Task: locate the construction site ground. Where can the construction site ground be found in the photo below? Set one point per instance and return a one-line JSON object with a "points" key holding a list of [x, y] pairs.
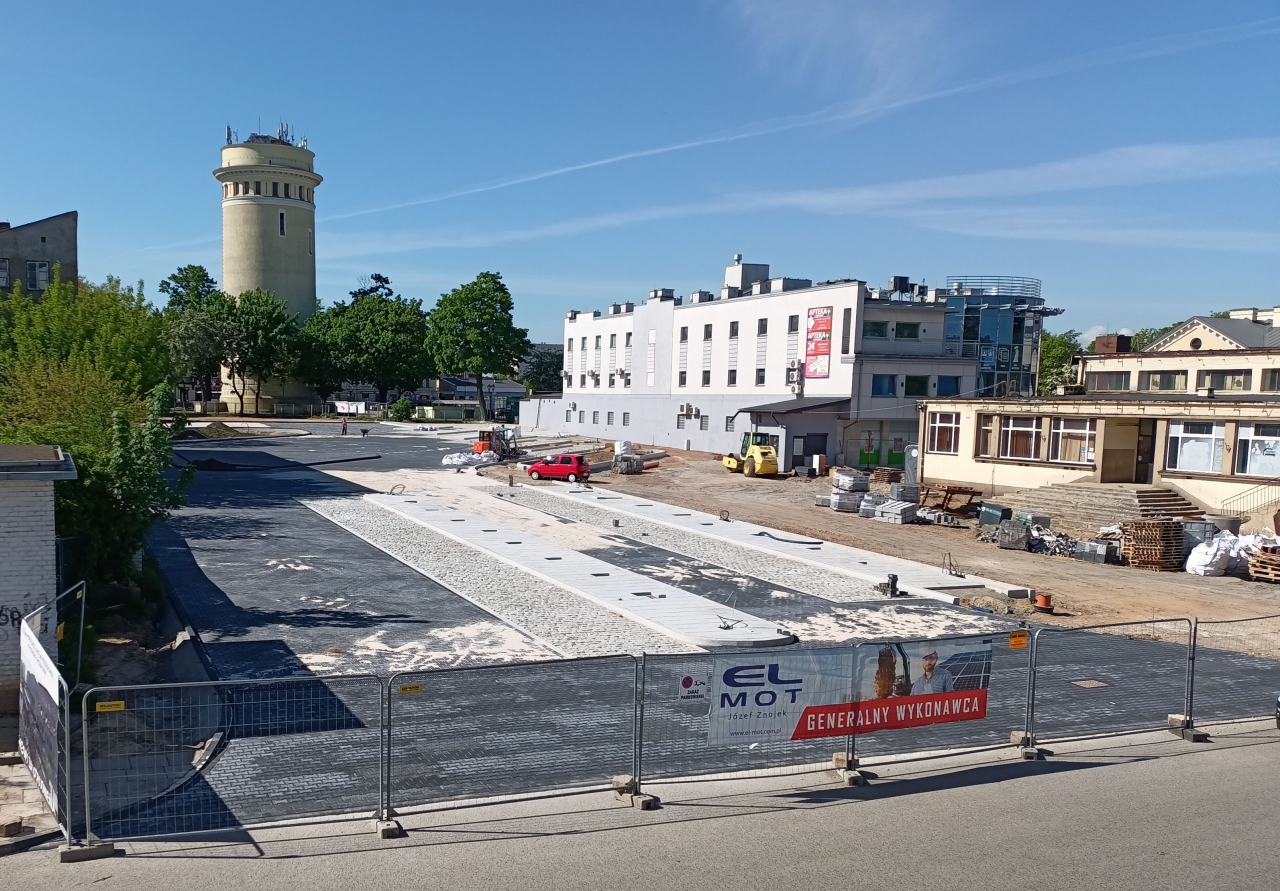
{"points": [[1083, 593]]}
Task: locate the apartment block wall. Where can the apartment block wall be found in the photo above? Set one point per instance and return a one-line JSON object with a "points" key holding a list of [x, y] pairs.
{"points": [[28, 544]]}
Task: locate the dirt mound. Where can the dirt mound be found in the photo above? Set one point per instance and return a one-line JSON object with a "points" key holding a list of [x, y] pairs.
{"points": [[215, 430]]}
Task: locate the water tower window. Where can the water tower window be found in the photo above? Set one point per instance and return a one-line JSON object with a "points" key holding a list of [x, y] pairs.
{"points": [[257, 187], [282, 223], [311, 241], [286, 190], [275, 190]]}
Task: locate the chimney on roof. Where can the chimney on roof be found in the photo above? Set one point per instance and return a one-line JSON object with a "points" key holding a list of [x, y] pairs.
{"points": [[4, 226], [1112, 343]]}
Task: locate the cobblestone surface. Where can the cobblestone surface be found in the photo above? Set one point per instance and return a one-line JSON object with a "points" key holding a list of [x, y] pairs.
{"points": [[570, 624], [811, 580]]}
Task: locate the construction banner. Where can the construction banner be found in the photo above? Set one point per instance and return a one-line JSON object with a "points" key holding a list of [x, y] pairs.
{"points": [[818, 693], [817, 343]]}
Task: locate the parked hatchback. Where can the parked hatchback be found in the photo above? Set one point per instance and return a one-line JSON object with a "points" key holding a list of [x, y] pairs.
{"points": [[560, 467]]}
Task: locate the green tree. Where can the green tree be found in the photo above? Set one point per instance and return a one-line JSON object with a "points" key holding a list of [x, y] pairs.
{"points": [[1056, 352], [318, 354], [472, 332], [540, 371], [401, 410], [200, 336], [190, 284], [268, 335], [379, 338], [111, 326]]}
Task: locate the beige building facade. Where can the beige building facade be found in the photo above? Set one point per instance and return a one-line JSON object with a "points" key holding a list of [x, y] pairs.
{"points": [[268, 239]]}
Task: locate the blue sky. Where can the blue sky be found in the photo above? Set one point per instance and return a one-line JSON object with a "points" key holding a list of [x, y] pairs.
{"points": [[1126, 154]]}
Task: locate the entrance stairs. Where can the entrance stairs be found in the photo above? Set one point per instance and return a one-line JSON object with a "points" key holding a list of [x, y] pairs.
{"points": [[1085, 507]]}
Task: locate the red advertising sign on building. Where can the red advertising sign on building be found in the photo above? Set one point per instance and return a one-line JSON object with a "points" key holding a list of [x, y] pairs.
{"points": [[817, 343]]}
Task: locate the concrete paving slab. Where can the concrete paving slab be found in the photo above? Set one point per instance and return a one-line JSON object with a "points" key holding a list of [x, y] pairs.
{"points": [[676, 612], [918, 579]]}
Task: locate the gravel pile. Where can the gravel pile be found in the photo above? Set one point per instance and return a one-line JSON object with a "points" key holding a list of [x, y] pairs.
{"points": [[823, 583], [571, 624]]}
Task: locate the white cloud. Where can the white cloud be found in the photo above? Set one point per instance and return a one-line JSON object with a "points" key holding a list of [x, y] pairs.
{"points": [[945, 203], [1090, 334]]}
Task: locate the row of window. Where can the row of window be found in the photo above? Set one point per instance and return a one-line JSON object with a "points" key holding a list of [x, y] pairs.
{"points": [[613, 342], [1230, 380], [595, 377], [37, 274], [887, 385], [278, 190], [903, 330], [595, 418]]}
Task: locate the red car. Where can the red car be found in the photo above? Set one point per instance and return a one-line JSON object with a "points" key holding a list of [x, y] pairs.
{"points": [[560, 467]]}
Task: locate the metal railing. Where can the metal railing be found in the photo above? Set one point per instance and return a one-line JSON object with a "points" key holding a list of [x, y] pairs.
{"points": [[167, 759], [1250, 500]]}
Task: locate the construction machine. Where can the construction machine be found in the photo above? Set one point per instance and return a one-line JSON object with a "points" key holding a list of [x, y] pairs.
{"points": [[499, 440], [756, 456]]}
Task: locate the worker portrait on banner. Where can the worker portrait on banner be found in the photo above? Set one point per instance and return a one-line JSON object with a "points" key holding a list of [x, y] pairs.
{"points": [[816, 693]]}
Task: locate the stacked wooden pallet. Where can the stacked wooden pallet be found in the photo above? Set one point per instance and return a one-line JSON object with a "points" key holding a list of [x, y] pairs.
{"points": [[1152, 544], [1264, 566], [886, 475]]}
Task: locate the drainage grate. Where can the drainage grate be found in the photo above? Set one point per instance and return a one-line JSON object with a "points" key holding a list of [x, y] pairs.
{"points": [[1090, 684]]}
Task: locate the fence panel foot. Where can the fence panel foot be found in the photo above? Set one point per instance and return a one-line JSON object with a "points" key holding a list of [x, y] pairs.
{"points": [[82, 853], [388, 829]]}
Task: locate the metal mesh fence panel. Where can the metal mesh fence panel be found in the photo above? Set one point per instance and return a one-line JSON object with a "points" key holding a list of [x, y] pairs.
{"points": [[509, 729], [177, 758], [1237, 669], [1110, 678], [676, 730], [1006, 679]]}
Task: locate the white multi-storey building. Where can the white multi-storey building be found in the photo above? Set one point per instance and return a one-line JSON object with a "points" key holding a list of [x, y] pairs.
{"points": [[835, 368]]}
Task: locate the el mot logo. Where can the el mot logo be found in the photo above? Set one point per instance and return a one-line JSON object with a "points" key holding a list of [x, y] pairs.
{"points": [[764, 676]]}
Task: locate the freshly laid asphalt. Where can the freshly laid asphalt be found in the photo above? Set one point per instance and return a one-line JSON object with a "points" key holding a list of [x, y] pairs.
{"points": [[270, 587]]}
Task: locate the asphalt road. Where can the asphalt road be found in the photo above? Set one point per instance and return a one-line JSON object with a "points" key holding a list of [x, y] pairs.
{"points": [[1165, 815]]}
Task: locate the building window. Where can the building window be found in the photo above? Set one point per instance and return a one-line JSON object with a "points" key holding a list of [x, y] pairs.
{"points": [[257, 187], [875, 329], [759, 377], [733, 377], [595, 380], [1106, 380], [582, 380], [611, 377], [4, 272], [1225, 380], [595, 417], [584, 343], [906, 331], [845, 330], [1258, 451], [1195, 446], [582, 417], [311, 242], [948, 385], [885, 385], [704, 422], [706, 332], [793, 324], [626, 419], [762, 327], [728, 423], [37, 275], [684, 376], [282, 224], [626, 379], [733, 330], [628, 339], [597, 341], [568, 416], [1162, 381], [275, 190], [1071, 440], [706, 377], [679, 422], [613, 341], [1196, 343], [917, 385], [608, 419], [571, 344], [684, 334], [1019, 437], [944, 432], [985, 447]]}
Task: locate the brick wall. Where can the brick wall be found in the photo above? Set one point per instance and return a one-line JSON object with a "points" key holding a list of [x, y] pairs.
{"points": [[28, 570]]}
